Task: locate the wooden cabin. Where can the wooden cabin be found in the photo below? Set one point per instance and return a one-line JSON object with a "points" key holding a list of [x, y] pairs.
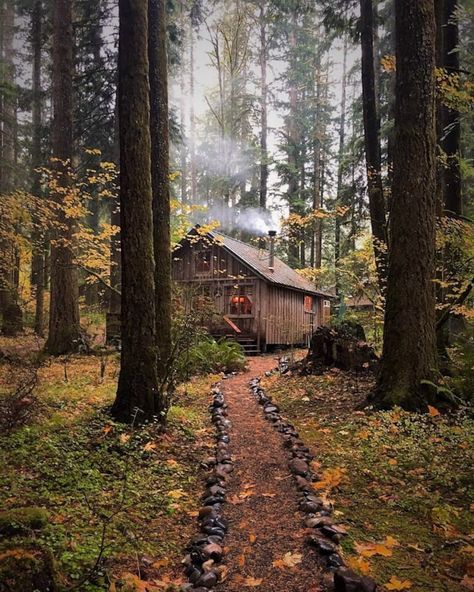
{"points": [[259, 300]]}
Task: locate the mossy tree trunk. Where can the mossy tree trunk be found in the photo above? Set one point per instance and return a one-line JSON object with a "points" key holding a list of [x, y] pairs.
{"points": [[64, 329], [409, 349], [157, 55], [137, 385]]}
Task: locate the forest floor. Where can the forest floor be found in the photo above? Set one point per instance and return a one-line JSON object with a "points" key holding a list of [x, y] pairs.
{"points": [[399, 482]]}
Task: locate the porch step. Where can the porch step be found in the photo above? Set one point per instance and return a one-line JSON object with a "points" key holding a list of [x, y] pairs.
{"points": [[248, 343]]}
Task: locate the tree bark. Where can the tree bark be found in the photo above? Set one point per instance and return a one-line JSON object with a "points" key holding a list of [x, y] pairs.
{"points": [[409, 349], [136, 398], [64, 329], [372, 139], [450, 118], [37, 260], [342, 137], [157, 55], [263, 109], [192, 122]]}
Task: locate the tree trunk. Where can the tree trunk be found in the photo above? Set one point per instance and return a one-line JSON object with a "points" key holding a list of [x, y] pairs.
{"points": [[192, 122], [38, 239], [157, 54], [64, 329], [451, 123], [342, 137], [372, 138], [115, 260], [8, 251], [315, 257], [136, 398], [409, 349], [264, 108], [293, 185]]}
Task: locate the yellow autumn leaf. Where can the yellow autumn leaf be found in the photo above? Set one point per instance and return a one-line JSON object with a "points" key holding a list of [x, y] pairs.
{"points": [[124, 438], [359, 564], [252, 538], [397, 584], [176, 493], [330, 478]]}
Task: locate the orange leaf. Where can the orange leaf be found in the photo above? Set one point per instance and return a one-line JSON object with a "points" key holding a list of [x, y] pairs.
{"points": [[252, 582], [252, 538], [149, 446], [433, 411], [359, 564], [397, 584]]}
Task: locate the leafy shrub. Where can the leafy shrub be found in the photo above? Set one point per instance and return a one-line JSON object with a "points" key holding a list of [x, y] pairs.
{"points": [[209, 355]]}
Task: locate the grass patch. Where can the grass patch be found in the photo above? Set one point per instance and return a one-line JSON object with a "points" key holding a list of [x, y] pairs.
{"points": [[136, 487], [402, 475]]}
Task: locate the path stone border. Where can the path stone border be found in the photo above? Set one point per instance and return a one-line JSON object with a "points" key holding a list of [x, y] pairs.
{"points": [[202, 564], [326, 534]]}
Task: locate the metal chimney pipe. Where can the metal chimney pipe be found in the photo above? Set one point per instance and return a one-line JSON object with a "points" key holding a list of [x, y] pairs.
{"points": [[271, 259]]}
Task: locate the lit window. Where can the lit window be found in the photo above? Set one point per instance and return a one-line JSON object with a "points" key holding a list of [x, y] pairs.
{"points": [[308, 303], [327, 303], [240, 305]]}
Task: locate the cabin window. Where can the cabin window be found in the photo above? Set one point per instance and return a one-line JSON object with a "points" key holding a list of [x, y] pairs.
{"points": [[327, 304], [203, 261], [240, 305], [308, 304]]}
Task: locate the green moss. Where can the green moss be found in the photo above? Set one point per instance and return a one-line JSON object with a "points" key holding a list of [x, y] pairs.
{"points": [[28, 568], [19, 520]]}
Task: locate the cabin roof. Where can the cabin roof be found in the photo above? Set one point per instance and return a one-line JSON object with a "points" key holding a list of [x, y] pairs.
{"points": [[257, 259]]}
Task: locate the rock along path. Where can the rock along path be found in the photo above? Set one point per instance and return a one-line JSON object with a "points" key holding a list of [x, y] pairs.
{"points": [[264, 522]]}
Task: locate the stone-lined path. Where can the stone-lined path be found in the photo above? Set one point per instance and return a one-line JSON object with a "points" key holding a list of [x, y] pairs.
{"points": [[262, 503]]}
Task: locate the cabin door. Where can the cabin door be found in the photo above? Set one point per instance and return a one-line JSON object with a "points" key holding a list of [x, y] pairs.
{"points": [[241, 307]]}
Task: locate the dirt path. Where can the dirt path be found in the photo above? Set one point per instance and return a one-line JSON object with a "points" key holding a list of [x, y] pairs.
{"points": [[264, 523]]}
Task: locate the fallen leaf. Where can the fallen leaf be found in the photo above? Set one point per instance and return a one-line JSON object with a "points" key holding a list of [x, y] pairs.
{"points": [[235, 500], [371, 549], [330, 478], [241, 560], [222, 572], [171, 462], [363, 435], [149, 446], [252, 582], [268, 494], [397, 584], [359, 564], [252, 538], [107, 429], [176, 493], [288, 560], [160, 563], [468, 583], [124, 438], [433, 411], [392, 461]]}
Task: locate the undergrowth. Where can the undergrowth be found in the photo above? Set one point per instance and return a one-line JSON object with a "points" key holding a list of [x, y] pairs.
{"points": [[389, 474], [110, 491]]}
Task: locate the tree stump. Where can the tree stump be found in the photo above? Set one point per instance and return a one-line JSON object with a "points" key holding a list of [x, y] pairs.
{"points": [[12, 320], [344, 347]]}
